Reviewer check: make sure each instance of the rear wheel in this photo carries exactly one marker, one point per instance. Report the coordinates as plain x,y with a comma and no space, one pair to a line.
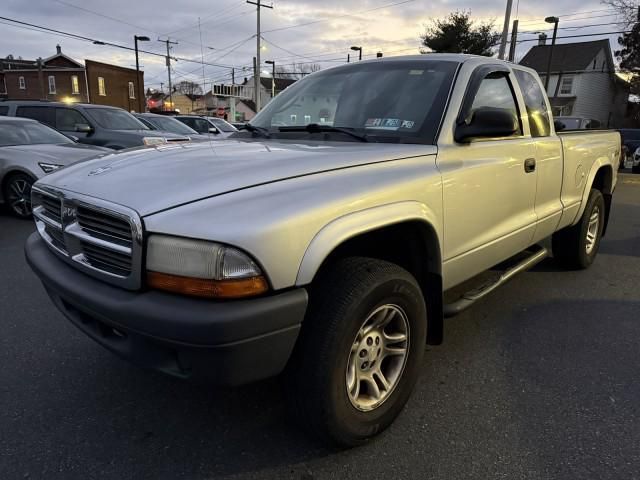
577,246
359,352
17,194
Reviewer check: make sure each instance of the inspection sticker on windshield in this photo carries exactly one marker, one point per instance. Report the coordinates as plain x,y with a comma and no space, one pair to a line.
388,123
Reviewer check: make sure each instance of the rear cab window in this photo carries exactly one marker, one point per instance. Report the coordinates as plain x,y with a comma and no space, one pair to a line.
534,99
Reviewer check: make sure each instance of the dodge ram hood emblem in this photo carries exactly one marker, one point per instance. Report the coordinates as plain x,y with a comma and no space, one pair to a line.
99,170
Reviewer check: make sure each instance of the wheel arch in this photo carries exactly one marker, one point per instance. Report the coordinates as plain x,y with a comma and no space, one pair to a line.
601,178
405,233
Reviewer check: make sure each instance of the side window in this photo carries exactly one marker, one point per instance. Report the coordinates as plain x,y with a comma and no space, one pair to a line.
4,111
188,122
496,92
67,119
42,114
203,125
539,121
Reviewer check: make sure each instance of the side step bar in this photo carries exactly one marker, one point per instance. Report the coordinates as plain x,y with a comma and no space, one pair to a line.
472,296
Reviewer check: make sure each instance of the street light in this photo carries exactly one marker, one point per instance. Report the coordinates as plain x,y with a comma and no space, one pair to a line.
273,76
555,21
359,50
136,39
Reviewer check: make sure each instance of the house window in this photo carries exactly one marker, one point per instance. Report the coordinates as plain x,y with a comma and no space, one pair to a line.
75,85
566,86
52,85
132,90
102,91
22,85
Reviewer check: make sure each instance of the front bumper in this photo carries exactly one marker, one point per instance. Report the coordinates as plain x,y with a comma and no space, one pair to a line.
225,343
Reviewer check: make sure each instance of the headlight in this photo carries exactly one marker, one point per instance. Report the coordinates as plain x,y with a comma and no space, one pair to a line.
154,140
201,268
49,167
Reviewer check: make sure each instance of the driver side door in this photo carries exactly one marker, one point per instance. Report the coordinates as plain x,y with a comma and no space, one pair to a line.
489,186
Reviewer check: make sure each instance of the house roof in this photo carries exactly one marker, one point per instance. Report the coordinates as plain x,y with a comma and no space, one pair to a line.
62,55
250,103
567,57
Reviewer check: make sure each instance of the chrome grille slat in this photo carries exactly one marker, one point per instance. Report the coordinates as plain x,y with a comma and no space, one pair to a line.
98,237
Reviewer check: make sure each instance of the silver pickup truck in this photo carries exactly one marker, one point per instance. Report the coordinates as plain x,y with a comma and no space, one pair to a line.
320,242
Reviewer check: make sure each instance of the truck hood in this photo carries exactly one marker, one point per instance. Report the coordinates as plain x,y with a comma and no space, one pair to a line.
150,180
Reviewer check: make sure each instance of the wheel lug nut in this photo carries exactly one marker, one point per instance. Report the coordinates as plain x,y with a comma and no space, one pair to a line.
363,353
365,365
377,340
369,341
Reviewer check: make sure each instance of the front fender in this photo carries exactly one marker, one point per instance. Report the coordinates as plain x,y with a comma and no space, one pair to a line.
351,225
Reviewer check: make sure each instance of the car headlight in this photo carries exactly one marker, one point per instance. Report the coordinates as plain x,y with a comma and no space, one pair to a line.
49,167
201,268
154,140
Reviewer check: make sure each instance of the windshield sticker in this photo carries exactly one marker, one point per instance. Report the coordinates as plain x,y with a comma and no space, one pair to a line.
388,123
416,72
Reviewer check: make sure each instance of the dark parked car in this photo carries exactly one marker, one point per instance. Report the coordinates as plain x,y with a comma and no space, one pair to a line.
28,151
165,123
204,125
92,124
630,142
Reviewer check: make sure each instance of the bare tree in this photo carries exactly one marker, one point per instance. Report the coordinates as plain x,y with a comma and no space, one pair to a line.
296,70
626,9
187,87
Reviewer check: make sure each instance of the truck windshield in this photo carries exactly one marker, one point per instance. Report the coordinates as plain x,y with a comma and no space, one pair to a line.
394,101
115,119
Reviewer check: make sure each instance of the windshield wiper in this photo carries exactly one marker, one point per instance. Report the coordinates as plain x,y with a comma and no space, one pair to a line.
264,132
316,128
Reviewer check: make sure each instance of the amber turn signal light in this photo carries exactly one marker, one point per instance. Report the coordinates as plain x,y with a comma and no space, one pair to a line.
203,287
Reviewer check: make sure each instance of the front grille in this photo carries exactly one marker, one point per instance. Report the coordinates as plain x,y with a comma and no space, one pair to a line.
106,227
52,208
57,237
107,260
98,237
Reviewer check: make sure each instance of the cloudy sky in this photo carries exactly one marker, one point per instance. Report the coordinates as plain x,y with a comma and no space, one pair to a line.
293,31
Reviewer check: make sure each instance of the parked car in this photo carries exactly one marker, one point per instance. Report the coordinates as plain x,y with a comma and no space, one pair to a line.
165,123
109,127
320,242
630,143
577,123
28,151
635,161
205,125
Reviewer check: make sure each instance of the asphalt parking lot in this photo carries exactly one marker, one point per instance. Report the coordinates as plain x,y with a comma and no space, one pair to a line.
539,381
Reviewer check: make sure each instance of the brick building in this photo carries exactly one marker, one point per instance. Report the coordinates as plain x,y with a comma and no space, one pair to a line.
115,86
58,78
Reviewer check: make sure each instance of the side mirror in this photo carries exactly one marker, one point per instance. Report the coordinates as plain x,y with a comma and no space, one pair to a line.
487,122
214,130
83,128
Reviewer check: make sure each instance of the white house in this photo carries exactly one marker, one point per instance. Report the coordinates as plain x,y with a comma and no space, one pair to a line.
582,80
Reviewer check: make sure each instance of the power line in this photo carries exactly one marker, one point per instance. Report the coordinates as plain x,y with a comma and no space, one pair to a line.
340,16
208,18
75,36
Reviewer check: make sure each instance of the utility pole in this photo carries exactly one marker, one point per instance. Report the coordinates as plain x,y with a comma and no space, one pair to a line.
505,30
514,37
258,5
232,99
169,42
555,21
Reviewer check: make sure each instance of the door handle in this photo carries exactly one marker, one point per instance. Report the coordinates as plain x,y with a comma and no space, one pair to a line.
530,165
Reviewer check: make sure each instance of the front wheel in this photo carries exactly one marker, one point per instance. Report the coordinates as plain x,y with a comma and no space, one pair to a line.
576,247
359,352
17,194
